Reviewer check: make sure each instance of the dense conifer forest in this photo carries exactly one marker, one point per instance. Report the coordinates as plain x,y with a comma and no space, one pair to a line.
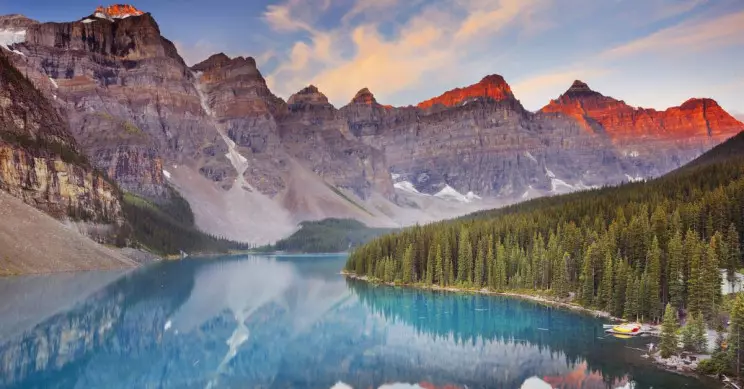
628,250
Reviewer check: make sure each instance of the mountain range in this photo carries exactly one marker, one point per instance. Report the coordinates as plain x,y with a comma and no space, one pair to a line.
252,166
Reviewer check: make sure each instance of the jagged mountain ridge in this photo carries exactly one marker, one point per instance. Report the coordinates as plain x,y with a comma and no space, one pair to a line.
239,153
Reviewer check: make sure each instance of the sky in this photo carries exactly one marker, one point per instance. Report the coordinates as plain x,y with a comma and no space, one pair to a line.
649,53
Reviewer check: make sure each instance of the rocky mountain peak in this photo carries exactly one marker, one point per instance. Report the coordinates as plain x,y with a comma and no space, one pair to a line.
15,22
492,86
117,11
579,86
308,95
214,61
696,102
364,96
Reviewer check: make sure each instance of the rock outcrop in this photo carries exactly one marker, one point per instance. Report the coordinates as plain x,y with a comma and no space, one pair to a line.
40,161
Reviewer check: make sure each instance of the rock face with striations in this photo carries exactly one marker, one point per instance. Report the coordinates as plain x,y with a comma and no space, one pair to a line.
40,161
129,97
480,139
314,131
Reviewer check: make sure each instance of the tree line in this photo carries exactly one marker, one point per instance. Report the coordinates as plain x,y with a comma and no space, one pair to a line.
628,250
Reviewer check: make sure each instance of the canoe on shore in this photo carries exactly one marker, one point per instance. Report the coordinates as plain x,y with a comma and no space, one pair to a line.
631,329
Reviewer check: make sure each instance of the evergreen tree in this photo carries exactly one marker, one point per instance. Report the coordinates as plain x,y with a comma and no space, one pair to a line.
699,334
735,339
674,274
710,281
439,267
430,267
587,277
687,334
668,343
653,286
604,297
465,255
631,298
480,260
734,247
450,266
619,295
695,286
408,265
561,286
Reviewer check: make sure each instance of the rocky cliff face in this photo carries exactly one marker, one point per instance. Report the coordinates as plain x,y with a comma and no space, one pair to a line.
314,131
480,139
40,162
129,97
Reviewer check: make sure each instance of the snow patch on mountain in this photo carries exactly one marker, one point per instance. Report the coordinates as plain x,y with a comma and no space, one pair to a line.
556,184
406,187
394,176
530,156
549,173
10,37
634,179
449,193
472,196
53,82
166,174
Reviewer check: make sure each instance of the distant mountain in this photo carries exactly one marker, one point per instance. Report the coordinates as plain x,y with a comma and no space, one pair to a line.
252,165
696,119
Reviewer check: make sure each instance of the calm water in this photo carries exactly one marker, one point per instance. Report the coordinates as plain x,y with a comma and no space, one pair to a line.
285,322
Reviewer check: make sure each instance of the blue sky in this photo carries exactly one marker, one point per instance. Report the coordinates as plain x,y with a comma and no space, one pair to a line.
650,53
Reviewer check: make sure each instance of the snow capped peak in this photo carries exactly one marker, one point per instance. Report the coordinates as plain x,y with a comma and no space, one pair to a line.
117,11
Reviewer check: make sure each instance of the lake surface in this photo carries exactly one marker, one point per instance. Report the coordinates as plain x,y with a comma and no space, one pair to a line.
294,322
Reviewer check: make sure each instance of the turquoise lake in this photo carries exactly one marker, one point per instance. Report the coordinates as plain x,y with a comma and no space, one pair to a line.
294,322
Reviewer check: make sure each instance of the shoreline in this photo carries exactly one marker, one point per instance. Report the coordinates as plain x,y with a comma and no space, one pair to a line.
534,298
653,359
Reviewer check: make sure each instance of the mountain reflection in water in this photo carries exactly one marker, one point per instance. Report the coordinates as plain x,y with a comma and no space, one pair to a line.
286,322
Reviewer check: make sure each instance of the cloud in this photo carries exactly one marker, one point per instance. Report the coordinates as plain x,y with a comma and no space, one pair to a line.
688,36
433,42
295,15
197,52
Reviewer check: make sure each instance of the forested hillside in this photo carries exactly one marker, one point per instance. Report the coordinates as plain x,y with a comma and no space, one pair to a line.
628,250
328,236
169,228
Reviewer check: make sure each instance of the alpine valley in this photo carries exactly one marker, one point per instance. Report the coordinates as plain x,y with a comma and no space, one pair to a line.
102,110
